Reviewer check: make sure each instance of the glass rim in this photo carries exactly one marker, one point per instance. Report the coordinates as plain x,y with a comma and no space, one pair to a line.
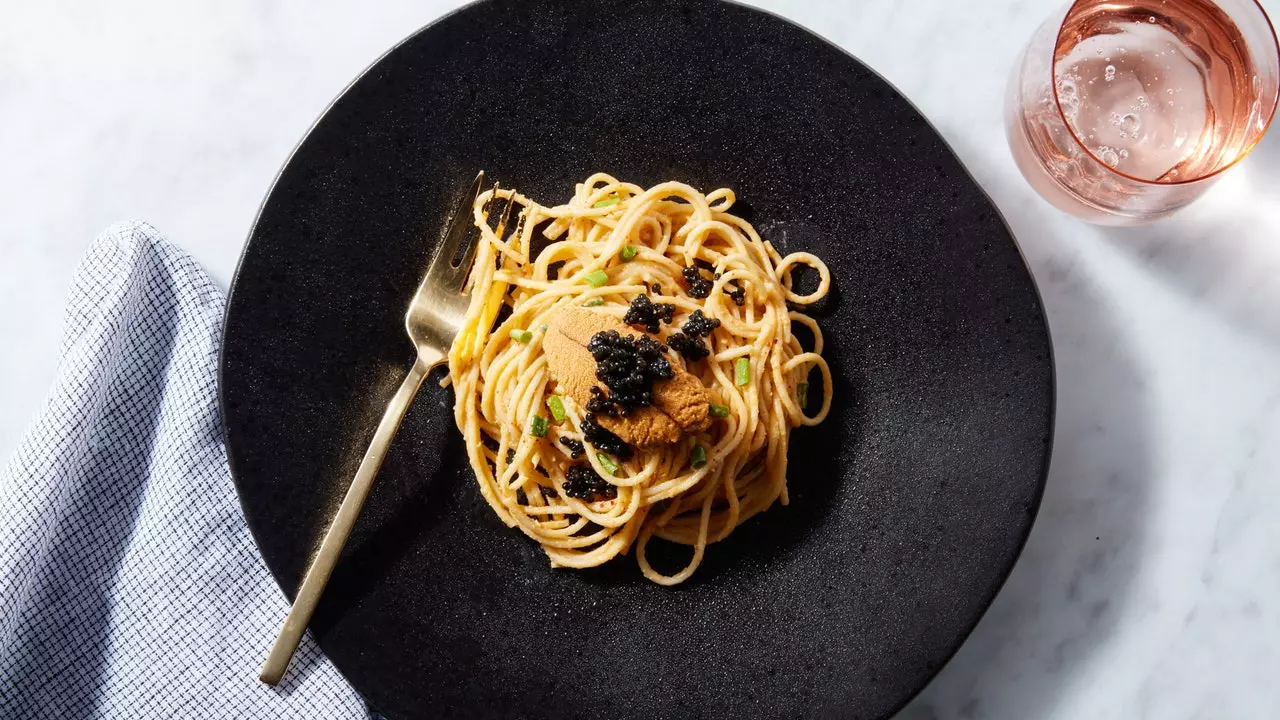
1057,105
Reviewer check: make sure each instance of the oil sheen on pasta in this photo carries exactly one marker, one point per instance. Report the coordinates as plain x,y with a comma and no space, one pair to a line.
642,240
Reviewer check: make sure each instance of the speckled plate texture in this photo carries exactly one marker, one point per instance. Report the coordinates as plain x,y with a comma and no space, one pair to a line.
909,505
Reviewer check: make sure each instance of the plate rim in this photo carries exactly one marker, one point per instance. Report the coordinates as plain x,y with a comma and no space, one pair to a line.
1041,315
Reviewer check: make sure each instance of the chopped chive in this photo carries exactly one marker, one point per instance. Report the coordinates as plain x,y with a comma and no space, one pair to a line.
593,302
556,406
742,371
538,426
698,457
607,463
542,327
607,202
802,394
719,410
521,336
628,253
596,278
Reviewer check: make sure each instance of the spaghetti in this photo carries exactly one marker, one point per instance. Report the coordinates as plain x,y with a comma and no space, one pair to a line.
612,243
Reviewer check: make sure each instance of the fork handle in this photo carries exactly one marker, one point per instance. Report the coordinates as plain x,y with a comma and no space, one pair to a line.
336,537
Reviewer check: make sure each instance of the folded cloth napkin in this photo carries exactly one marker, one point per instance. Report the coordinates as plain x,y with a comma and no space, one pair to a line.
129,584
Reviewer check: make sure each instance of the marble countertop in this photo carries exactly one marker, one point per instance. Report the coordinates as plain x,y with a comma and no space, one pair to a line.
1150,587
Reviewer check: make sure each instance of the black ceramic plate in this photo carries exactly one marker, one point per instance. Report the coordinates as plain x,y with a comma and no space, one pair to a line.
908,506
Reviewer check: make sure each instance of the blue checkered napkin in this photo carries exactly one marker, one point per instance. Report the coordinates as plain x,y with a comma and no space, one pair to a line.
129,585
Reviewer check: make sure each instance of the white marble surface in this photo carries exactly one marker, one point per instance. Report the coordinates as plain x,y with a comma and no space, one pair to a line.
1151,584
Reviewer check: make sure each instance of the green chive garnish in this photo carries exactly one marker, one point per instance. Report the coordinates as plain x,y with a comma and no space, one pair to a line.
629,253
698,457
607,463
719,410
596,278
607,202
593,302
742,371
802,394
521,336
556,406
538,426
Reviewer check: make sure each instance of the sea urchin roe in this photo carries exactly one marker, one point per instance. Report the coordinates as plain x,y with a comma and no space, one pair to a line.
604,440
628,366
647,314
581,482
576,449
679,404
699,287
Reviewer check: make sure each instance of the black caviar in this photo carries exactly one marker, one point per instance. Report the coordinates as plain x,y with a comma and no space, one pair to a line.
688,342
699,325
583,483
604,440
699,286
600,404
691,348
628,366
576,450
737,294
656,288
646,313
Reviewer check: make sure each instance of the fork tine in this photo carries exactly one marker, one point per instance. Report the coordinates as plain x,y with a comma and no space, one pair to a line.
506,214
457,232
464,266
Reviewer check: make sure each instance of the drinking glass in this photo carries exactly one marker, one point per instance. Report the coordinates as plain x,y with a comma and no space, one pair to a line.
1121,112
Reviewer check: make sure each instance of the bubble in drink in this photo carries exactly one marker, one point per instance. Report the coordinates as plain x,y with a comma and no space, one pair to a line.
1110,73
1151,18
1124,154
1108,156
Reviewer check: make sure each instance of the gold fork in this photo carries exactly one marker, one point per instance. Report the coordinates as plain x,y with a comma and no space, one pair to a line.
433,320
